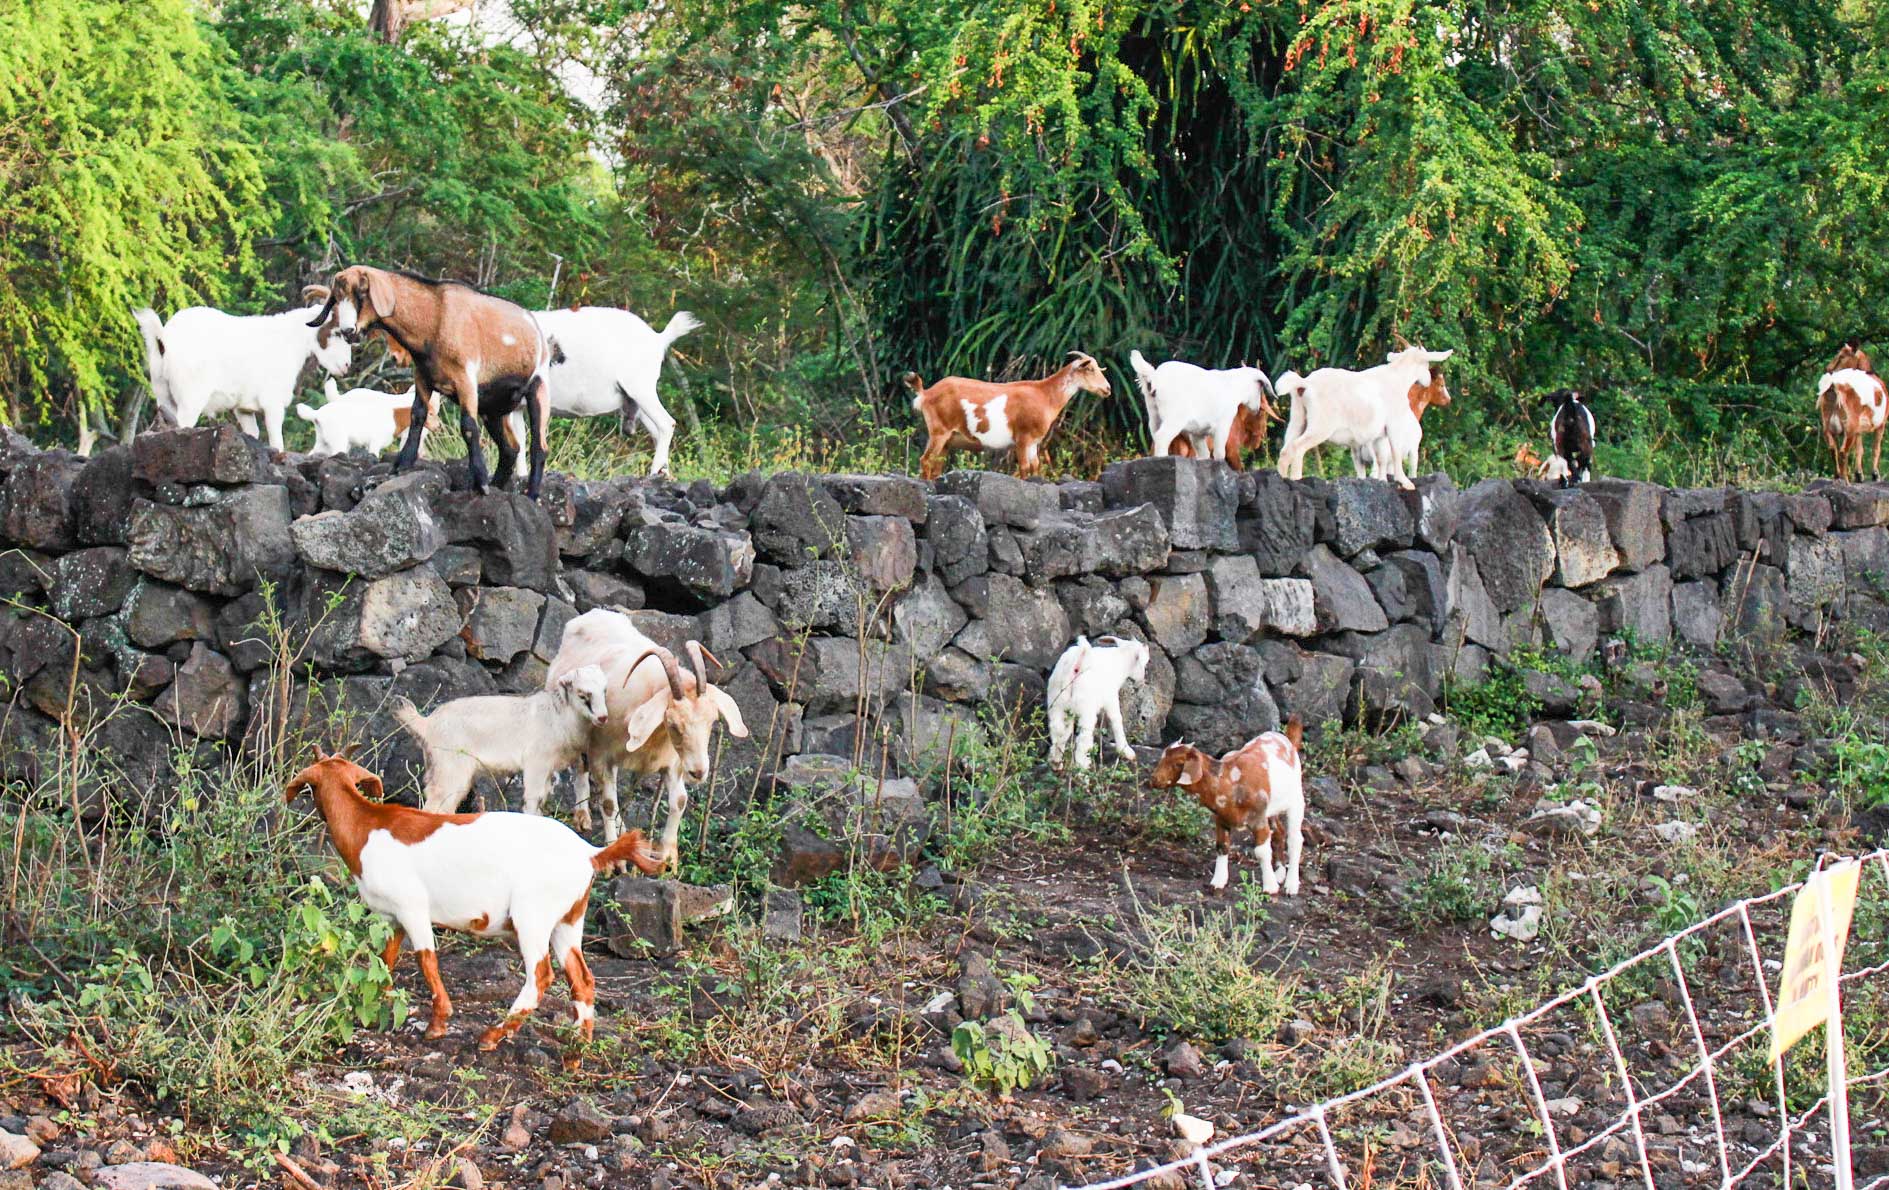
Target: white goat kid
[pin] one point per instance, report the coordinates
(608, 361)
(1353, 410)
(204, 361)
(537, 734)
(660, 718)
(360, 419)
(1202, 403)
(1086, 683)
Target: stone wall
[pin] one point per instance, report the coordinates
(874, 616)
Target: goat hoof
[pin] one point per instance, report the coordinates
(436, 1030)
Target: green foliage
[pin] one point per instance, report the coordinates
(1203, 977)
(123, 180)
(1458, 887)
(1001, 1057)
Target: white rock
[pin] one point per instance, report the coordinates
(1564, 1107)
(1112, 1066)
(1591, 727)
(1479, 759)
(1676, 831)
(1226, 1177)
(1192, 1128)
(1674, 793)
(1521, 923)
(358, 1081)
(16, 1152)
(1523, 894)
(939, 1002)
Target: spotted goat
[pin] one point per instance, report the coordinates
(1571, 429)
(965, 414)
(492, 875)
(1246, 789)
(1851, 403)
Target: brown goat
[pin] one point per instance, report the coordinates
(1852, 402)
(484, 352)
(965, 414)
(1246, 788)
(1248, 433)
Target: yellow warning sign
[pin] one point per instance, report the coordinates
(1813, 958)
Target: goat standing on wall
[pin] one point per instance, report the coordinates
(1356, 410)
(1572, 431)
(965, 414)
(485, 353)
(1851, 403)
(1247, 788)
(1200, 406)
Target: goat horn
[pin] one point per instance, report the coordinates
(696, 653)
(668, 667)
(314, 293)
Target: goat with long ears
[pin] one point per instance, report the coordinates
(965, 414)
(1247, 788)
(485, 353)
(493, 875)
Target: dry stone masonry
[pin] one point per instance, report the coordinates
(190, 594)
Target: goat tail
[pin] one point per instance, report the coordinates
(1144, 380)
(680, 324)
(304, 412)
(409, 717)
(631, 846)
(153, 328)
(1289, 384)
(912, 381)
(330, 389)
(1295, 731)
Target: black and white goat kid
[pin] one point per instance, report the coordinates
(1572, 432)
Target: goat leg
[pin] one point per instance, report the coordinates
(1220, 838)
(416, 425)
(507, 450)
(537, 414)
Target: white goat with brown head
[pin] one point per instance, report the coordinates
(660, 722)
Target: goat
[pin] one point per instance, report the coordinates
(204, 361)
(538, 735)
(1572, 431)
(1353, 409)
(1851, 403)
(1203, 405)
(1248, 787)
(964, 414)
(611, 360)
(1087, 682)
(1528, 463)
(1248, 433)
(361, 419)
(492, 875)
(659, 722)
(1404, 427)
(485, 353)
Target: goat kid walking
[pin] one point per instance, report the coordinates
(1246, 788)
(1087, 683)
(493, 875)
(965, 414)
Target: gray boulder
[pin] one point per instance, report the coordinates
(1439, 507)
(1196, 498)
(883, 550)
(225, 545)
(1369, 514)
(101, 498)
(927, 618)
(1572, 623)
(1319, 690)
(958, 538)
(205, 698)
(1632, 512)
(1003, 499)
(1696, 614)
(594, 590)
(1508, 541)
(1701, 546)
(596, 513)
(91, 582)
(36, 505)
(1012, 622)
(515, 536)
(1410, 586)
(1756, 601)
(156, 614)
(797, 521)
(500, 622)
(1278, 520)
(1856, 505)
(1342, 599)
(879, 495)
(391, 529)
(219, 454)
(824, 595)
(1178, 612)
(700, 564)
(1584, 551)
(1093, 605)
(405, 615)
(729, 627)
(1814, 579)
(1640, 604)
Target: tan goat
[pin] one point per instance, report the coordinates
(484, 352)
(1852, 402)
(965, 414)
(1246, 788)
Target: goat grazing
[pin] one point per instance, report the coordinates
(1850, 404)
(538, 735)
(1355, 410)
(204, 361)
(485, 353)
(361, 419)
(1248, 787)
(1572, 431)
(1087, 682)
(1199, 404)
(493, 875)
(609, 362)
(964, 414)
(659, 722)
(1403, 428)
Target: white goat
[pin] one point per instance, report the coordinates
(1202, 403)
(1353, 409)
(205, 361)
(660, 718)
(490, 875)
(608, 361)
(361, 419)
(1403, 428)
(536, 734)
(1086, 683)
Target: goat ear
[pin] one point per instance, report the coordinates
(730, 713)
(370, 787)
(296, 789)
(644, 720)
(380, 291)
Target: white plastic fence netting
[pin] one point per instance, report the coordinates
(1655, 1072)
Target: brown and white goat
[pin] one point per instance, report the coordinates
(1246, 788)
(493, 875)
(965, 414)
(660, 718)
(1852, 402)
(485, 353)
